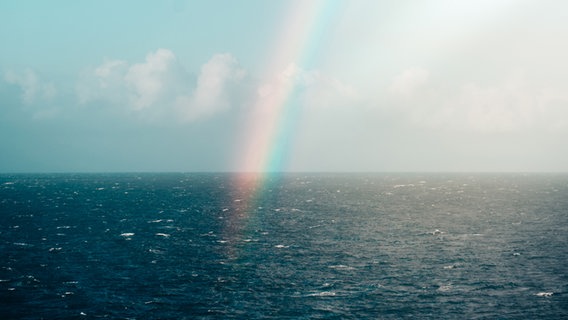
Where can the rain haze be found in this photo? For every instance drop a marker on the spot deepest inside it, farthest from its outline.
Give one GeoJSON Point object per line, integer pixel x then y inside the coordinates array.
{"type": "Point", "coordinates": [107, 86]}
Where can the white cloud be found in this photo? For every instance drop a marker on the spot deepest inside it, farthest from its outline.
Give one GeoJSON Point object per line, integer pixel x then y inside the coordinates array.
{"type": "Point", "coordinates": [324, 91]}
{"type": "Point", "coordinates": [141, 86]}
{"type": "Point", "coordinates": [312, 88]}
{"type": "Point", "coordinates": [410, 80]}
{"type": "Point", "coordinates": [107, 70]}
{"type": "Point", "coordinates": [514, 104]}
{"type": "Point", "coordinates": [213, 93]}
{"type": "Point", "coordinates": [105, 82]}
{"type": "Point", "coordinates": [148, 80]}
{"type": "Point", "coordinates": [497, 109]}
{"type": "Point", "coordinates": [160, 87]}
{"type": "Point", "coordinates": [33, 88]}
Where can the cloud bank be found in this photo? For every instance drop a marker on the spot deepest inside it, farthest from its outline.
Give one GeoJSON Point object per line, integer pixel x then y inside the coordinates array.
{"type": "Point", "coordinates": [515, 103]}
{"type": "Point", "coordinates": [160, 88]}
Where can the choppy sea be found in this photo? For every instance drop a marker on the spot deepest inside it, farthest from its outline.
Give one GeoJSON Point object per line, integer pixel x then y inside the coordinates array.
{"type": "Point", "coordinates": [295, 246]}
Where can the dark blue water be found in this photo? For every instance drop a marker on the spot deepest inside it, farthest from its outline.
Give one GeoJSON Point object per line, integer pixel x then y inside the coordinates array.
{"type": "Point", "coordinates": [305, 246]}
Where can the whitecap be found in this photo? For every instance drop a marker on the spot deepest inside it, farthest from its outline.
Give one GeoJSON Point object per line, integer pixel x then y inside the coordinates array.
{"type": "Point", "coordinates": [341, 267]}
{"type": "Point", "coordinates": [544, 294]}
{"type": "Point", "coordinates": [127, 234]}
{"type": "Point", "coordinates": [323, 294]}
{"type": "Point", "coordinates": [445, 288]}
{"type": "Point", "coordinates": [165, 235]}
{"type": "Point", "coordinates": [281, 246]}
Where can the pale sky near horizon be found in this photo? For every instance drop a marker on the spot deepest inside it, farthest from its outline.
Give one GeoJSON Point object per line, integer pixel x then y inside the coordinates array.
{"type": "Point", "coordinates": [254, 85]}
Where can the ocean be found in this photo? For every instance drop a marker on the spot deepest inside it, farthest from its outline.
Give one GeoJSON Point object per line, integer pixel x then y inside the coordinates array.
{"type": "Point", "coordinates": [296, 246]}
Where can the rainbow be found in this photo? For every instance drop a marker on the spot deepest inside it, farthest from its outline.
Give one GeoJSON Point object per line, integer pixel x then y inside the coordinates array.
{"type": "Point", "coordinates": [274, 115]}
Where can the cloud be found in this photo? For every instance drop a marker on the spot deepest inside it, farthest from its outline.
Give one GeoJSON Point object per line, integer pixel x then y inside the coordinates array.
{"type": "Point", "coordinates": [324, 91]}
{"type": "Point", "coordinates": [410, 80]}
{"type": "Point", "coordinates": [33, 88]}
{"type": "Point", "coordinates": [160, 87]}
{"type": "Point", "coordinates": [312, 88]}
{"type": "Point", "coordinates": [139, 86]}
{"type": "Point", "coordinates": [105, 82]}
{"type": "Point", "coordinates": [215, 87]}
{"type": "Point", "coordinates": [514, 104]}
{"type": "Point", "coordinates": [39, 97]}
{"type": "Point", "coordinates": [148, 80]}
{"type": "Point", "coordinates": [503, 108]}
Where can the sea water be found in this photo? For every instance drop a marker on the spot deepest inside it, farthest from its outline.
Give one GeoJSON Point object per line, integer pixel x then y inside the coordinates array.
{"type": "Point", "coordinates": [292, 246]}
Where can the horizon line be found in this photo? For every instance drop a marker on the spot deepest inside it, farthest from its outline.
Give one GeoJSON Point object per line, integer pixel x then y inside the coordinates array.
{"type": "Point", "coordinates": [291, 172]}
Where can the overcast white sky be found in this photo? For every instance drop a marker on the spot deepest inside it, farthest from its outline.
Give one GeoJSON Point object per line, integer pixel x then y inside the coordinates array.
{"type": "Point", "coordinates": [441, 85]}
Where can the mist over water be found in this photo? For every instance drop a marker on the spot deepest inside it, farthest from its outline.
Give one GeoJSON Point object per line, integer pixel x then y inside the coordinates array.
{"type": "Point", "coordinates": [327, 246]}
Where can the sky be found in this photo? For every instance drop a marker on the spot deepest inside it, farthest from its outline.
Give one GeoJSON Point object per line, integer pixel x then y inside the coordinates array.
{"type": "Point", "coordinates": [254, 85]}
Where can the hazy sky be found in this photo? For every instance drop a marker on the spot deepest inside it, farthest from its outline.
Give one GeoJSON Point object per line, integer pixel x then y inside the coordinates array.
{"type": "Point", "coordinates": [439, 85]}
